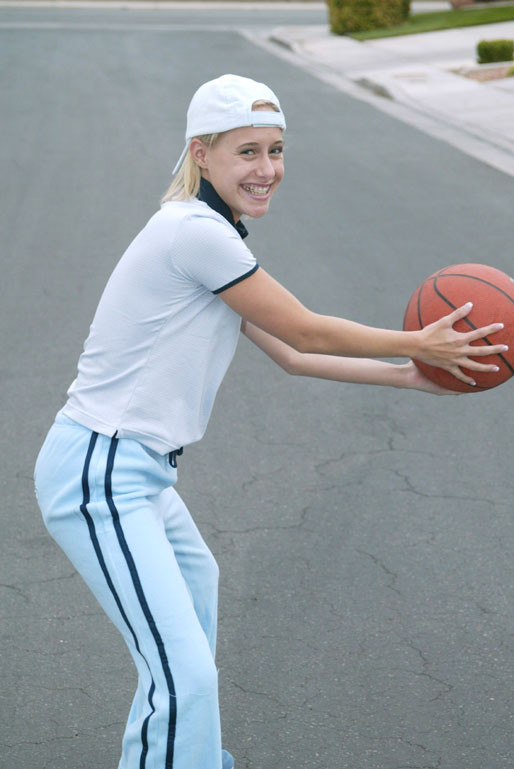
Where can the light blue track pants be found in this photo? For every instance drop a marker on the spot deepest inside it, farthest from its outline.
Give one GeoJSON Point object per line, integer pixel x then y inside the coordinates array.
{"type": "Point", "coordinates": [111, 506]}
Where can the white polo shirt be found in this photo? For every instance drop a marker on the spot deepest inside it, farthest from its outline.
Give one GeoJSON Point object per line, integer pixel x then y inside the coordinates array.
{"type": "Point", "coordinates": [162, 339]}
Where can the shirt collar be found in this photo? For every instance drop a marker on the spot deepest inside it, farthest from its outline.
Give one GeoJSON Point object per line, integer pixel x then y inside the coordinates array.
{"type": "Point", "coordinates": [209, 195]}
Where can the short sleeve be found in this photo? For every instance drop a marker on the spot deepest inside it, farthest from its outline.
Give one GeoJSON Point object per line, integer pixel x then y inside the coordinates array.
{"type": "Point", "coordinates": [212, 253]}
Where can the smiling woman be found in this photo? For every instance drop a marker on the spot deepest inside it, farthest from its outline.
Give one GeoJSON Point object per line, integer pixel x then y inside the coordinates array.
{"type": "Point", "coordinates": [186, 183]}
{"type": "Point", "coordinates": [244, 166]}
{"type": "Point", "coordinates": [163, 336]}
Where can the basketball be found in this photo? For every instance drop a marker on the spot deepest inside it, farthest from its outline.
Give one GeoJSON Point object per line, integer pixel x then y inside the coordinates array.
{"type": "Point", "coordinates": [492, 294]}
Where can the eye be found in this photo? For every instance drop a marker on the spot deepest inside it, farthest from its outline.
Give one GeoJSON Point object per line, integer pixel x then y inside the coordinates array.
{"type": "Point", "coordinates": [248, 152]}
{"type": "Point", "coordinates": [277, 150]}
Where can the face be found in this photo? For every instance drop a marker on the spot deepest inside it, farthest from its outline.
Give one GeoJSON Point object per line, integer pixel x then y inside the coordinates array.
{"type": "Point", "coordinates": [245, 167]}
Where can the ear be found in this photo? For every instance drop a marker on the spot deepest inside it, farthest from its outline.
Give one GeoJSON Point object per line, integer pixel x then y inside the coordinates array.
{"type": "Point", "coordinates": [198, 152]}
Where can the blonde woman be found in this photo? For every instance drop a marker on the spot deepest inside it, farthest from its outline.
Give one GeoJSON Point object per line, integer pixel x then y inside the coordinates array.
{"type": "Point", "coordinates": [160, 343]}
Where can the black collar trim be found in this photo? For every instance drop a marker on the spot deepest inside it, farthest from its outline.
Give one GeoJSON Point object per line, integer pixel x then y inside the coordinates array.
{"type": "Point", "coordinates": [209, 195]}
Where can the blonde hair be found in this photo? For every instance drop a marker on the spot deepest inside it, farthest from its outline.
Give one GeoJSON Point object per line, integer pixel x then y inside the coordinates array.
{"type": "Point", "coordinates": [186, 183]}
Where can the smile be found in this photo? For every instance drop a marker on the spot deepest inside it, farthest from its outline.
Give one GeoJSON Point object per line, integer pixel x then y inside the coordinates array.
{"type": "Point", "coordinates": [257, 190]}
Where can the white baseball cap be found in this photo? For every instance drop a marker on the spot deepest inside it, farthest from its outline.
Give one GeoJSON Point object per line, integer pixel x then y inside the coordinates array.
{"type": "Point", "coordinates": [226, 103]}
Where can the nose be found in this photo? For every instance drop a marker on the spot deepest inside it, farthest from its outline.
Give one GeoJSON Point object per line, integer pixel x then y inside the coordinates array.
{"type": "Point", "coordinates": [264, 167]}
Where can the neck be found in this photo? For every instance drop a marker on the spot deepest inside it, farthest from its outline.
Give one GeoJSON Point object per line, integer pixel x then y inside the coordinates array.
{"type": "Point", "coordinates": [209, 195]}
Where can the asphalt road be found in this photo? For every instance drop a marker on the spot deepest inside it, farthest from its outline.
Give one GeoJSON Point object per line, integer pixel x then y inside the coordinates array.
{"type": "Point", "coordinates": [365, 535]}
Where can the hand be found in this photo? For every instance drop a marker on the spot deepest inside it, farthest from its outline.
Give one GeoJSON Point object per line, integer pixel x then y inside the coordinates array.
{"type": "Point", "coordinates": [416, 380]}
{"type": "Point", "coordinates": [449, 349]}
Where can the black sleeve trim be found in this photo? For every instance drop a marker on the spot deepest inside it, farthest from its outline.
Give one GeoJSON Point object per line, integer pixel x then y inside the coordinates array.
{"type": "Point", "coordinates": [237, 280]}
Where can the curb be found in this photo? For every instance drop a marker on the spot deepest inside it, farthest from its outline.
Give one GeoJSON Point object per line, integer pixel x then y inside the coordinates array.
{"type": "Point", "coordinates": [410, 90]}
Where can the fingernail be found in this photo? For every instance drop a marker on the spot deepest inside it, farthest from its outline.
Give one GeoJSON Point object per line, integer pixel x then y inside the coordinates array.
{"type": "Point", "coordinates": [473, 383]}
{"type": "Point", "coordinates": [505, 347]}
{"type": "Point", "coordinates": [469, 304]}
{"type": "Point", "coordinates": [501, 325]}
{"type": "Point", "coordinates": [496, 368]}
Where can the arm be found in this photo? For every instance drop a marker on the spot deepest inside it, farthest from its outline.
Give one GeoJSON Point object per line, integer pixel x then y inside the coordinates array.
{"type": "Point", "coordinates": [340, 369]}
{"type": "Point", "coordinates": [269, 306]}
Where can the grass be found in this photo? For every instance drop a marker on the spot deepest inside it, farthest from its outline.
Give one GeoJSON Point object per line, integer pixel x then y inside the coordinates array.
{"type": "Point", "coordinates": [437, 20]}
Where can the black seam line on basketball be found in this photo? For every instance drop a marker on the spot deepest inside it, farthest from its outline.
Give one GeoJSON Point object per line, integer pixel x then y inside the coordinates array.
{"type": "Point", "coordinates": [473, 277]}
{"type": "Point", "coordinates": [86, 498]}
{"type": "Point", "coordinates": [472, 325]}
{"type": "Point", "coordinates": [136, 581]}
{"type": "Point", "coordinates": [419, 307]}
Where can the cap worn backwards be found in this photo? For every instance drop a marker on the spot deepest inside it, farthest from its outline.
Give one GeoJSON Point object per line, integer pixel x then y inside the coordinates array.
{"type": "Point", "coordinates": [226, 103]}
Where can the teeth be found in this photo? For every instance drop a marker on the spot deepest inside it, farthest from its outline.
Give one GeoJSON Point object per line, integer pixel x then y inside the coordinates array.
{"type": "Point", "coordinates": [256, 190]}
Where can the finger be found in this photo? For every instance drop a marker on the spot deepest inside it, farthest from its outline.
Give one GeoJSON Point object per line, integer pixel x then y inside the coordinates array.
{"type": "Point", "coordinates": [461, 376]}
{"type": "Point", "coordinates": [474, 365]}
{"type": "Point", "coordinates": [479, 333]}
{"type": "Point", "coordinates": [486, 349]}
{"type": "Point", "coordinates": [459, 313]}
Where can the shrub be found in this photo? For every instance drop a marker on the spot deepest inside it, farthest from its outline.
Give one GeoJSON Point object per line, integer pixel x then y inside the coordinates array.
{"type": "Point", "coordinates": [347, 16]}
{"type": "Point", "coordinates": [510, 72]}
{"type": "Point", "coordinates": [495, 50]}
{"type": "Point", "coordinates": [463, 3]}
{"type": "Point", "coordinates": [405, 9]}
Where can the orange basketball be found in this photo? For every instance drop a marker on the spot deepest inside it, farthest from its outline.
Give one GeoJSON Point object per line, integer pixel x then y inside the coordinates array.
{"type": "Point", "coordinates": [492, 294]}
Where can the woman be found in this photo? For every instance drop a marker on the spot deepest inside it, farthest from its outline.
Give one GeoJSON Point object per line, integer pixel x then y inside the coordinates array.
{"type": "Point", "coordinates": [160, 343]}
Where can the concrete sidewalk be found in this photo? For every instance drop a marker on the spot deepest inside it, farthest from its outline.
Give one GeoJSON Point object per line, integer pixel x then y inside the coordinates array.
{"type": "Point", "coordinates": [417, 71]}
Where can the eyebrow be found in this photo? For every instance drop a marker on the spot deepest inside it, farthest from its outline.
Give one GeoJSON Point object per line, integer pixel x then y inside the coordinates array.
{"type": "Point", "coordinates": [256, 144]}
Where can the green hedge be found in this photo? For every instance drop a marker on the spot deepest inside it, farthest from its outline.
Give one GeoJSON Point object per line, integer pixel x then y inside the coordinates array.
{"type": "Point", "coordinates": [347, 16]}
{"type": "Point", "coordinates": [495, 50]}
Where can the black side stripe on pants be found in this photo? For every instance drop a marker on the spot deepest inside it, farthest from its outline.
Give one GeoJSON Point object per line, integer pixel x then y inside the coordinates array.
{"type": "Point", "coordinates": [86, 498]}
{"type": "Point", "coordinates": [144, 605]}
